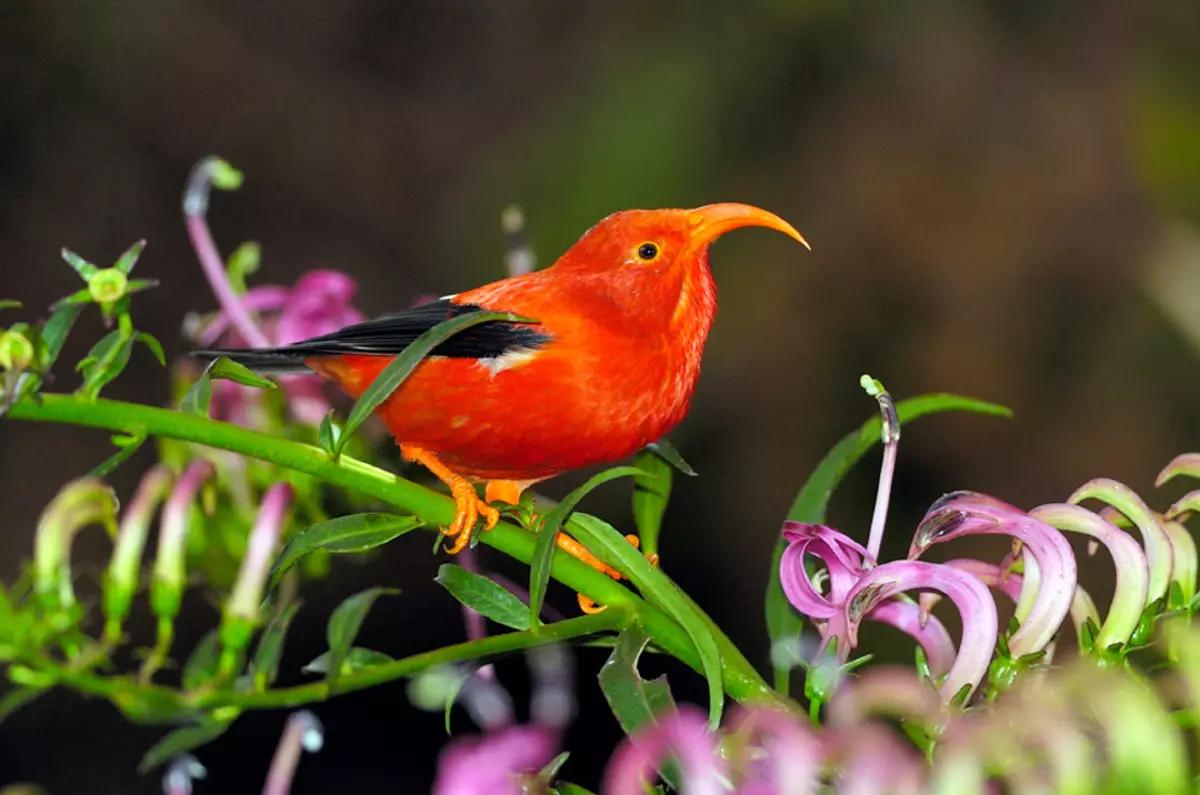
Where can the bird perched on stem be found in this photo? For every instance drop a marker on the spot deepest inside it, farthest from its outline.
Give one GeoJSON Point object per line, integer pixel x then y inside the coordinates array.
{"type": "Point", "coordinates": [609, 366]}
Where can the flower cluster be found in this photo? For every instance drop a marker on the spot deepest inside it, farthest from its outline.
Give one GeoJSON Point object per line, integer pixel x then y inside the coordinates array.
{"type": "Point", "coordinates": [265, 316]}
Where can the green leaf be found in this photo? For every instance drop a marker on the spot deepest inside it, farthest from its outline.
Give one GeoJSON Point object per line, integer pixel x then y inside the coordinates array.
{"type": "Point", "coordinates": [329, 433]}
{"type": "Point", "coordinates": [543, 554]}
{"type": "Point", "coordinates": [151, 342]}
{"type": "Point", "coordinates": [567, 788]}
{"type": "Point", "coordinates": [650, 495]}
{"type": "Point", "coordinates": [127, 446]}
{"type": "Point", "coordinates": [667, 452]}
{"type": "Point", "coordinates": [105, 361]}
{"type": "Point", "coordinates": [55, 331]}
{"type": "Point", "coordinates": [198, 397]}
{"type": "Point", "coordinates": [357, 659]}
{"type": "Point", "coordinates": [130, 257]}
{"type": "Point", "coordinates": [81, 266]}
{"type": "Point", "coordinates": [398, 370]}
{"type": "Point", "coordinates": [264, 668]}
{"type": "Point", "coordinates": [635, 702]}
{"type": "Point", "coordinates": [189, 738]}
{"type": "Point", "coordinates": [10, 304]}
{"type": "Point", "coordinates": [605, 542]}
{"type": "Point", "coordinates": [230, 370]}
{"type": "Point", "coordinates": [344, 625]}
{"type": "Point", "coordinates": [813, 499]}
{"type": "Point", "coordinates": [354, 533]}
{"type": "Point", "coordinates": [201, 665]}
{"type": "Point", "coordinates": [484, 596]}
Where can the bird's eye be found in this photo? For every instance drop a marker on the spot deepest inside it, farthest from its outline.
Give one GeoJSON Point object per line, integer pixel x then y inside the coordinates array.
{"type": "Point", "coordinates": [647, 252]}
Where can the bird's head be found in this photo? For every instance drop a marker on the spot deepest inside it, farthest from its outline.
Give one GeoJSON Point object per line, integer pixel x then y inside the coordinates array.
{"type": "Point", "coordinates": [665, 240]}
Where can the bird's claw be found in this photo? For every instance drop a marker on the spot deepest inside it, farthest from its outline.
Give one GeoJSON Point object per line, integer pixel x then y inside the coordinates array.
{"type": "Point", "coordinates": [586, 604]}
{"type": "Point", "coordinates": [468, 510]}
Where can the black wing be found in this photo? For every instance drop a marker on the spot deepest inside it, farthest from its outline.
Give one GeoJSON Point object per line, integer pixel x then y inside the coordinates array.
{"type": "Point", "coordinates": [389, 335]}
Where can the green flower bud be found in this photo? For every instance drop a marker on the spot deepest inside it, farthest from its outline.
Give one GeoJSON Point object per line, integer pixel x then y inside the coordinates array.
{"type": "Point", "coordinates": [80, 503]}
{"type": "Point", "coordinates": [16, 351]}
{"type": "Point", "coordinates": [108, 286]}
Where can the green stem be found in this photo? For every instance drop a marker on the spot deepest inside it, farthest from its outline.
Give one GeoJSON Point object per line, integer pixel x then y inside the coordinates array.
{"type": "Point", "coordinates": [741, 681]}
{"type": "Point", "coordinates": [124, 691]}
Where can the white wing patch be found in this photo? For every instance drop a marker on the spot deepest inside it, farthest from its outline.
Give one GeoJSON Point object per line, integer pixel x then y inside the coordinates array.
{"type": "Point", "coordinates": [508, 360]}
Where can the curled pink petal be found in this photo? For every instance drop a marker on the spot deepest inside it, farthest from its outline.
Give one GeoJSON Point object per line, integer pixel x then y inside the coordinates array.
{"type": "Point", "coordinates": [494, 764]}
{"type": "Point", "coordinates": [843, 559]}
{"type": "Point", "coordinates": [1130, 595]}
{"type": "Point", "coordinates": [1056, 561]}
{"type": "Point", "coordinates": [1187, 465]}
{"type": "Point", "coordinates": [1159, 556]}
{"type": "Point", "coordinates": [1183, 548]}
{"type": "Point", "coordinates": [930, 633]}
{"type": "Point", "coordinates": [683, 733]}
{"type": "Point", "coordinates": [1000, 578]}
{"type": "Point", "coordinates": [970, 596]}
{"type": "Point", "coordinates": [1182, 509]}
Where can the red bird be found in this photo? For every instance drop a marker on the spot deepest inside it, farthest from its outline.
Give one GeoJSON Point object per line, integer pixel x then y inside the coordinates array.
{"type": "Point", "coordinates": [609, 367]}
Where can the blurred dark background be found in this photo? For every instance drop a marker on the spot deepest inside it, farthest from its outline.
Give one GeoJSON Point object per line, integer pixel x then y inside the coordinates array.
{"type": "Point", "coordinates": [1001, 198]}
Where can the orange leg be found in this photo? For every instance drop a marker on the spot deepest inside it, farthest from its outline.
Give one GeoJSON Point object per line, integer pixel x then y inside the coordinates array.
{"type": "Point", "coordinates": [469, 508]}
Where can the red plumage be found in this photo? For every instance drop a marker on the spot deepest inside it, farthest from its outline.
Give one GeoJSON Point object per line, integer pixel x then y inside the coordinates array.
{"type": "Point", "coordinates": [624, 315]}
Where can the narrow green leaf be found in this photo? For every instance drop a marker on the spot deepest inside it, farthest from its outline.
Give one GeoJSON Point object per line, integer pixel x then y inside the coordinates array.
{"type": "Point", "coordinates": [665, 450]}
{"type": "Point", "coordinates": [484, 596]}
{"type": "Point", "coordinates": [650, 495]}
{"type": "Point", "coordinates": [10, 304]}
{"type": "Point", "coordinates": [201, 665]}
{"type": "Point", "coordinates": [628, 695]}
{"type": "Point", "coordinates": [354, 533]}
{"type": "Point", "coordinates": [813, 499]}
{"type": "Point", "coordinates": [329, 433]}
{"type": "Point", "coordinates": [357, 659]}
{"type": "Point", "coordinates": [199, 396]}
{"type": "Point", "coordinates": [635, 702]}
{"type": "Point", "coordinates": [189, 738]}
{"type": "Point", "coordinates": [398, 370]}
{"type": "Point", "coordinates": [81, 266]}
{"type": "Point", "coordinates": [128, 445]}
{"type": "Point", "coordinates": [605, 542]}
{"type": "Point", "coordinates": [230, 370]}
{"type": "Point", "coordinates": [151, 342]}
{"type": "Point", "coordinates": [264, 668]}
{"type": "Point", "coordinates": [567, 788]}
{"type": "Point", "coordinates": [55, 331]}
{"type": "Point", "coordinates": [105, 361]}
{"type": "Point", "coordinates": [550, 771]}
{"type": "Point", "coordinates": [344, 624]}
{"type": "Point", "coordinates": [543, 554]}
{"type": "Point", "coordinates": [130, 257]}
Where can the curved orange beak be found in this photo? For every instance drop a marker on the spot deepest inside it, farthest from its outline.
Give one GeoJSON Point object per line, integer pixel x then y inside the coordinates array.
{"type": "Point", "coordinates": [712, 220]}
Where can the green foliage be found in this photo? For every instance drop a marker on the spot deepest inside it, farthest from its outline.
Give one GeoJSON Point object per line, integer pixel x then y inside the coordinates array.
{"type": "Point", "coordinates": [484, 596]}
{"type": "Point", "coordinates": [651, 492]}
{"type": "Point", "coordinates": [611, 546]}
{"type": "Point", "coordinates": [344, 624]}
{"type": "Point", "coordinates": [810, 504]}
{"type": "Point", "coordinates": [345, 534]}
{"type": "Point", "coordinates": [539, 569]}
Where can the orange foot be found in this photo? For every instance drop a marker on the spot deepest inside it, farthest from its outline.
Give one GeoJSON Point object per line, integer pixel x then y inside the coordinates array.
{"type": "Point", "coordinates": [468, 507]}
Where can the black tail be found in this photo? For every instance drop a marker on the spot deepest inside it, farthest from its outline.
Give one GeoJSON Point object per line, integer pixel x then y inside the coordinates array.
{"type": "Point", "coordinates": [266, 361]}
